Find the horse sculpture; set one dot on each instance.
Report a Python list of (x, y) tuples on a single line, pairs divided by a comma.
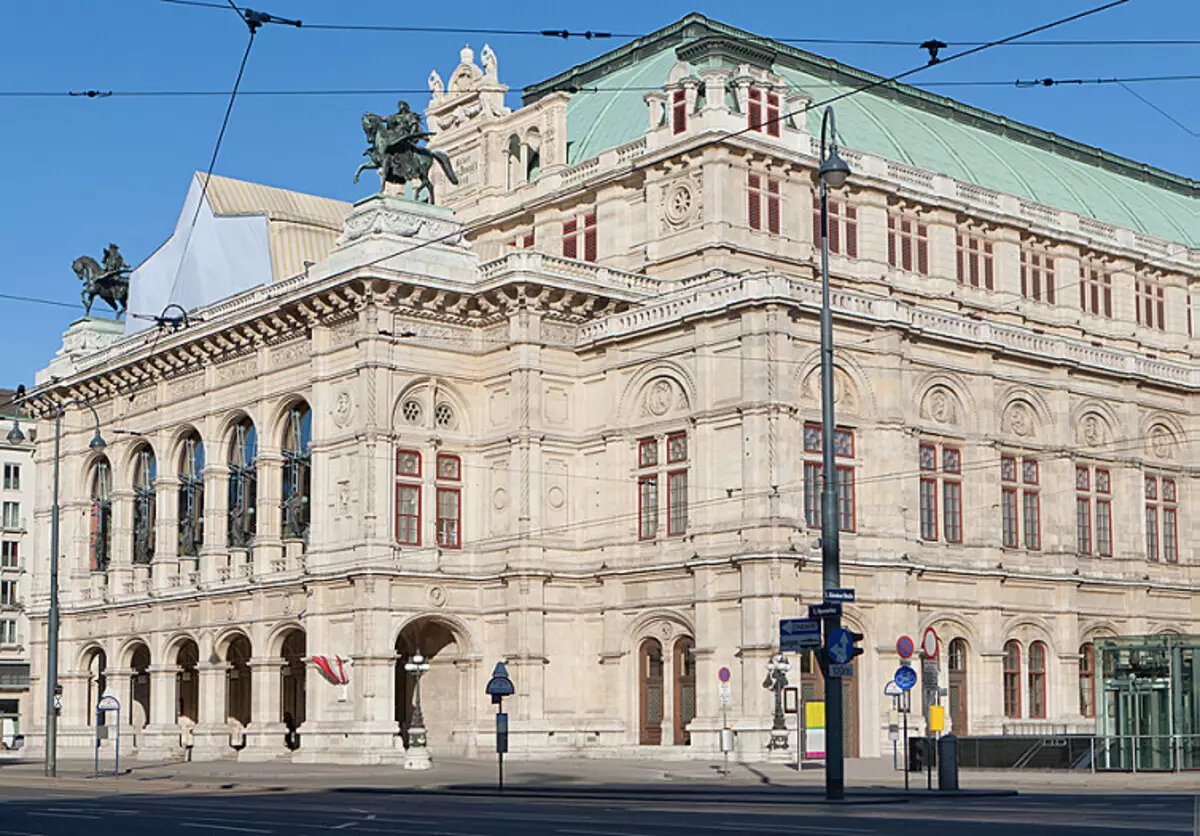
[(108, 281), (392, 149)]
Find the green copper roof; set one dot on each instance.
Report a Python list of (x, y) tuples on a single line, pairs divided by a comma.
[(898, 123)]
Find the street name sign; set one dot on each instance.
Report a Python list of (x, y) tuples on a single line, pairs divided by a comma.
[(824, 610), (842, 595), (799, 634)]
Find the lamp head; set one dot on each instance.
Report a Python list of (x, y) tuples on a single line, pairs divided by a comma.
[(834, 170), (15, 436), (97, 442)]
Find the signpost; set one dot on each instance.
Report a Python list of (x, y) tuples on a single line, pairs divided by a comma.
[(904, 647), (905, 678), (845, 596), (929, 643), (824, 610), (725, 690), (106, 704), (799, 634), (499, 687)]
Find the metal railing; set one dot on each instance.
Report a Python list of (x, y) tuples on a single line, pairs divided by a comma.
[(1145, 753)]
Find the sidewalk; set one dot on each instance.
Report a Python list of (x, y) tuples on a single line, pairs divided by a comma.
[(571, 776)]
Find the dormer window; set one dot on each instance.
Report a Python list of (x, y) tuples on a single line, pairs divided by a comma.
[(679, 111), (762, 111)]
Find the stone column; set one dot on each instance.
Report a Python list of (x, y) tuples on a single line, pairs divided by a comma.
[(214, 551), (264, 735), (120, 565), (160, 738), (211, 734), (166, 531), (268, 542)]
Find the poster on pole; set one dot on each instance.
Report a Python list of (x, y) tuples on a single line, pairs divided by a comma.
[(814, 730)]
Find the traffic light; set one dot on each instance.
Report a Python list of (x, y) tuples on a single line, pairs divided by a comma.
[(855, 638)]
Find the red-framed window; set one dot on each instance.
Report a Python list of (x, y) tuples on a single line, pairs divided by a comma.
[(1093, 510), (1095, 290), (449, 501), (974, 261), (908, 244), (572, 230), (653, 472), (679, 111), (1037, 275), (762, 111), (408, 497), (522, 242), (1037, 681), (1150, 303), (1020, 503), (1012, 680), (843, 448), (1087, 679), (1162, 526), (762, 193), (843, 227), (941, 467)]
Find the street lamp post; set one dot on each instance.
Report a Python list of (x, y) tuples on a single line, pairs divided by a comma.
[(97, 443), (418, 755), (833, 172), (777, 670)]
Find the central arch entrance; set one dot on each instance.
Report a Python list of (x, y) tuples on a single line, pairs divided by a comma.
[(237, 680), (139, 686), (187, 682), (293, 687)]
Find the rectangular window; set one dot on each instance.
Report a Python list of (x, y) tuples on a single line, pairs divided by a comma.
[(1161, 519), (908, 245), (648, 452), (570, 233), (8, 593), (754, 110), (759, 191), (9, 555), (647, 507), (1150, 303), (929, 526), (843, 443), (1037, 276), (11, 515), (8, 632), (679, 111), (677, 450), (944, 471), (754, 201), (589, 237), (449, 517), (677, 502), (1095, 290), (772, 114), (1037, 681), (843, 227), (408, 514), (1093, 496), (1020, 503), (773, 205), (12, 477), (974, 261), (449, 467)]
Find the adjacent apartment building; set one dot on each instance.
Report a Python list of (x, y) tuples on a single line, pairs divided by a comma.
[(16, 511), (568, 420)]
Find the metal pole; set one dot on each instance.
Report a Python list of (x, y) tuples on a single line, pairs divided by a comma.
[(52, 620), (117, 751), (906, 751), (835, 779)]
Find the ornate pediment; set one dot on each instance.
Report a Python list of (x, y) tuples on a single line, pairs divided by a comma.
[(474, 94)]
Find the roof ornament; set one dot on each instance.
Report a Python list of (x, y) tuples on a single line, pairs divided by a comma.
[(436, 87), (108, 280)]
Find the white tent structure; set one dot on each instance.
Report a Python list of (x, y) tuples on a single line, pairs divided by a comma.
[(244, 235)]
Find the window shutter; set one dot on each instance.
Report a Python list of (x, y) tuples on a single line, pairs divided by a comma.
[(754, 111), (589, 237), (569, 248), (679, 117), (851, 232), (923, 256), (754, 210), (816, 222), (773, 114), (773, 206)]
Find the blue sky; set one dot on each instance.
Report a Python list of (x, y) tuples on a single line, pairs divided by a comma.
[(78, 173)]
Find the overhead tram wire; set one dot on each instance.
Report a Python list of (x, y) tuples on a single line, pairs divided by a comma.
[(1161, 112), (164, 94)]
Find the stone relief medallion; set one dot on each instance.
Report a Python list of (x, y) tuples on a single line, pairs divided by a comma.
[(1020, 419), (436, 596), (556, 497), (677, 206), (499, 499), (660, 397), (941, 406), (1091, 430), (666, 629), (343, 498), (1162, 442), (342, 407)]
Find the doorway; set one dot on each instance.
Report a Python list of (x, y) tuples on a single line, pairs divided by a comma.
[(957, 687), (650, 667), (685, 689)]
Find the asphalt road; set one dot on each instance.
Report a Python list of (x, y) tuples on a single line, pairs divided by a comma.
[(36, 811)]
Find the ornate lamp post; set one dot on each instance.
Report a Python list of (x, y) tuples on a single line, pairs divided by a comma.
[(777, 670), (15, 436), (417, 756), (832, 173)]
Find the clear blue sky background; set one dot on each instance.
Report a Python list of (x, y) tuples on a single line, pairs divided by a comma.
[(76, 174)]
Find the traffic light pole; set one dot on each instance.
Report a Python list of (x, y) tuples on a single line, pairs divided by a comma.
[(831, 574)]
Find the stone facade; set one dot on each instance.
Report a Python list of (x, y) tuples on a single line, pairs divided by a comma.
[(566, 423), (16, 513)]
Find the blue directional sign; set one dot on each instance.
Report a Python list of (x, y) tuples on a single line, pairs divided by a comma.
[(799, 634), (905, 678), (840, 646), (500, 685)]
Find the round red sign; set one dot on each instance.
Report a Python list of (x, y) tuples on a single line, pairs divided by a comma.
[(904, 646), (929, 643), (723, 674)]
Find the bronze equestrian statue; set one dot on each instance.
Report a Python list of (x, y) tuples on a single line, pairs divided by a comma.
[(108, 281), (393, 149)]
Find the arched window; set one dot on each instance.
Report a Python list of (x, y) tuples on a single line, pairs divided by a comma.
[(957, 686), (191, 496), (1087, 680), (1037, 680), (145, 473), (297, 473), (243, 493), (101, 521), (1012, 680), (513, 157), (533, 155)]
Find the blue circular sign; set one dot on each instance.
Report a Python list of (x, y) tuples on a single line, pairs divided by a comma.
[(840, 646), (905, 678), (723, 674)]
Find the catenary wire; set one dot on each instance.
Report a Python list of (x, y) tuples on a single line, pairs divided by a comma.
[(1160, 110)]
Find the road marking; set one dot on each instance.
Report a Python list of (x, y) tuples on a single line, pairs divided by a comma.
[(211, 826), (343, 826), (18, 833), (61, 815), (598, 832)]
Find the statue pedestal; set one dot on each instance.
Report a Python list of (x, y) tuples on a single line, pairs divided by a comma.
[(387, 233), (85, 336)]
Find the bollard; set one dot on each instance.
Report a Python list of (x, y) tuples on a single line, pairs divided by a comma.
[(947, 763)]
